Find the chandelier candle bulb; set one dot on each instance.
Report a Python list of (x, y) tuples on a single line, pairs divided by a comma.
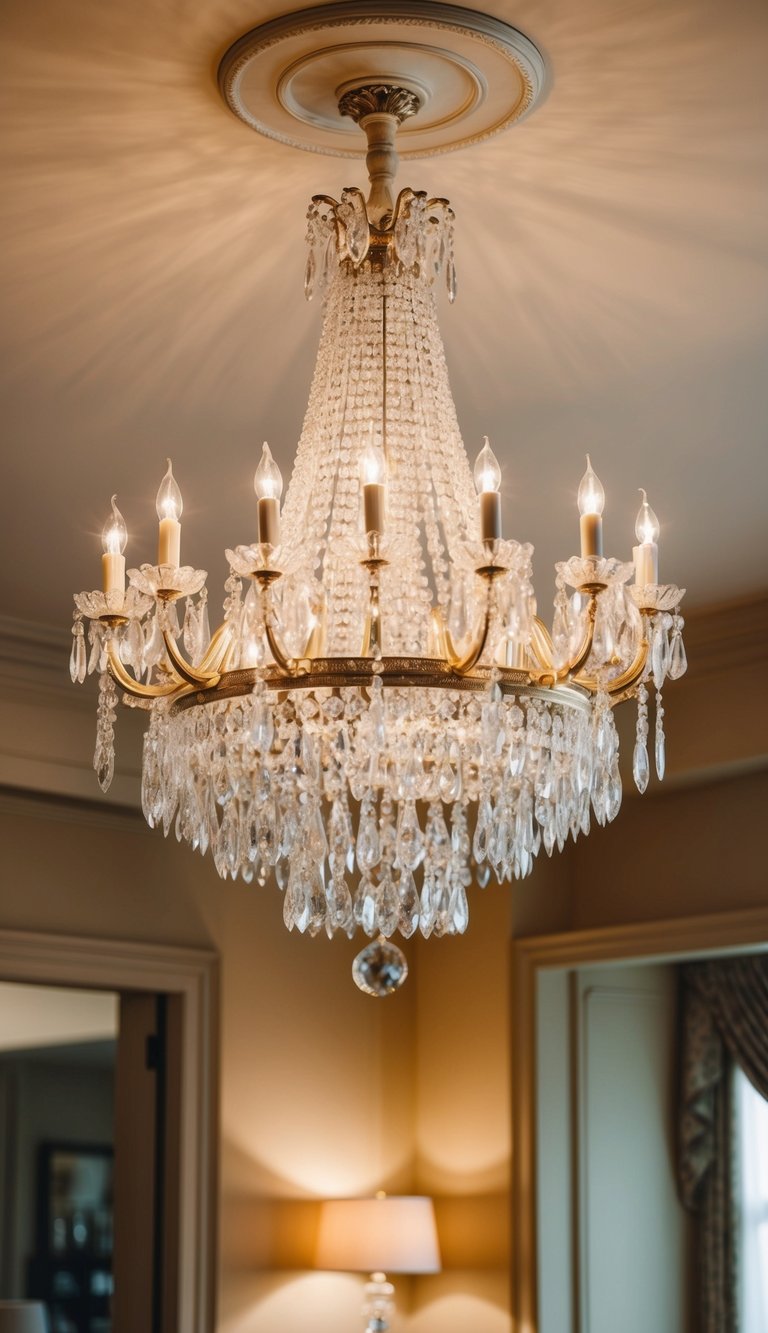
[(646, 554), (169, 506), (114, 537), (268, 485), (591, 501), (374, 471), (487, 476)]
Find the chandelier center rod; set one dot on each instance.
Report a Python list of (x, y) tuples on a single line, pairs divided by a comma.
[(384, 369)]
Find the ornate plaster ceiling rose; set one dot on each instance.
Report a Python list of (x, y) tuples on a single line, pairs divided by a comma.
[(473, 75)]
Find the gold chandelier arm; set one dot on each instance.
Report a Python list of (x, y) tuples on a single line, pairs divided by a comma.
[(189, 674), (288, 666), (582, 655), (541, 645), (621, 683), (283, 662), (543, 651), (134, 687), (217, 649), (458, 662)]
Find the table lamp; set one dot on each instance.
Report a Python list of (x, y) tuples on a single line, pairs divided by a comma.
[(386, 1234), (22, 1317)]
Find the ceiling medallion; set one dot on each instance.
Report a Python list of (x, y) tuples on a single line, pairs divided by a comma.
[(382, 720), (473, 74)]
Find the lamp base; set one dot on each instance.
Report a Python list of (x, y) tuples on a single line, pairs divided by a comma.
[(379, 1306)]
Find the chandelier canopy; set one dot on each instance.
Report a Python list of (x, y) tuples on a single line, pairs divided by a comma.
[(381, 721)]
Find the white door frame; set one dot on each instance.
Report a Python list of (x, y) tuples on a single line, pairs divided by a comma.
[(653, 941), (192, 974)]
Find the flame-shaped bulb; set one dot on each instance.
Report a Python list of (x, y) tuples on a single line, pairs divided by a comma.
[(591, 496), (487, 476), (374, 464), (169, 503), (268, 479), (647, 525), (487, 472), (113, 539), (373, 467), (114, 534)]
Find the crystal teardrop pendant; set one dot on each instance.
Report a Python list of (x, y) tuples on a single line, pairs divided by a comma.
[(678, 662), (380, 968), (660, 749), (77, 659), (409, 904), (659, 653), (641, 769), (309, 276)]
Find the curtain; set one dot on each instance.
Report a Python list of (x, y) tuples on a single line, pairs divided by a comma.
[(724, 1024)]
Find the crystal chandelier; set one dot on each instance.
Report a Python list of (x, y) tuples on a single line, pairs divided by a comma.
[(381, 720)]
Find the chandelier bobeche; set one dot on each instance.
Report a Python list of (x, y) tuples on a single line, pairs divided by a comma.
[(381, 720)]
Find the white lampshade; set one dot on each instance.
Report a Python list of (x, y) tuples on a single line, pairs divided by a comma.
[(383, 1235), (22, 1317)]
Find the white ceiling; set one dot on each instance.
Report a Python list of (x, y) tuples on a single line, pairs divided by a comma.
[(613, 262)]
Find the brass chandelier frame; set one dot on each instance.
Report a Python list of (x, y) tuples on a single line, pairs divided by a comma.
[(214, 679)]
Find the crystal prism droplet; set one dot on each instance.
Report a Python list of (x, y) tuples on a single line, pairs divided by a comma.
[(450, 280), (410, 842), (449, 782), (661, 761), (641, 769), (339, 904), (659, 656), (678, 662), (380, 968), (81, 660), (409, 905), (366, 906), (388, 905), (368, 845), (73, 659), (459, 911), (482, 831), (105, 768), (309, 276)]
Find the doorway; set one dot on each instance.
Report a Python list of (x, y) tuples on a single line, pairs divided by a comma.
[(164, 1130), (57, 1063), (604, 989), (89, 1104)]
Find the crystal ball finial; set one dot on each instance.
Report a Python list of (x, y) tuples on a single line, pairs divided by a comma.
[(380, 968)]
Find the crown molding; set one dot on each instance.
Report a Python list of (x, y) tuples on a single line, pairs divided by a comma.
[(727, 637), (34, 660), (47, 723), (18, 803)]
